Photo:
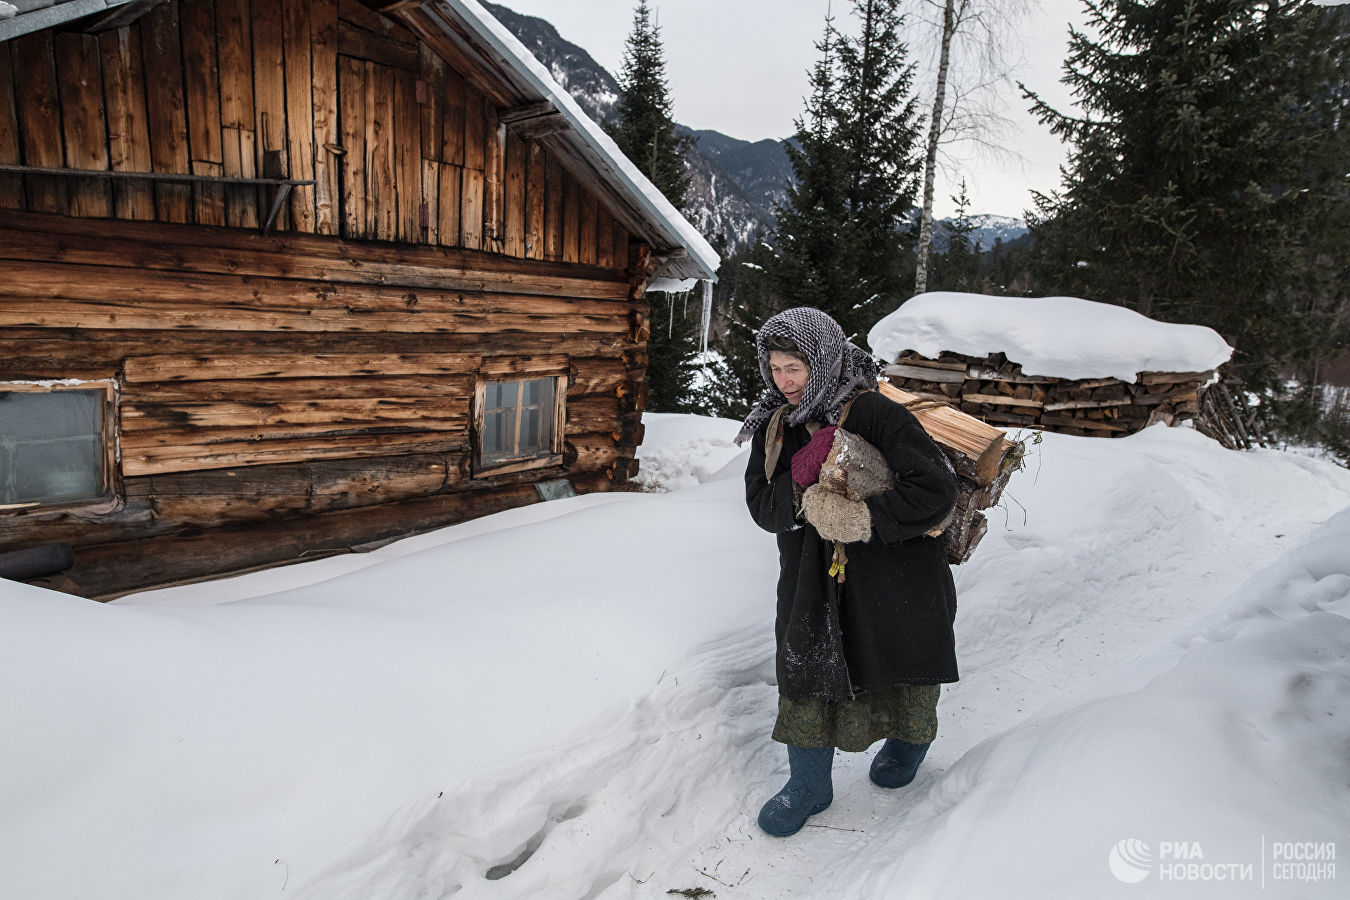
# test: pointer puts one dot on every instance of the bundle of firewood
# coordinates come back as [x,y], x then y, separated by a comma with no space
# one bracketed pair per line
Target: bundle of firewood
[995,389]
[984,460]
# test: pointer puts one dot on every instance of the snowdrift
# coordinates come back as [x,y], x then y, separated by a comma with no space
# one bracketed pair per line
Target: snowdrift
[573,700]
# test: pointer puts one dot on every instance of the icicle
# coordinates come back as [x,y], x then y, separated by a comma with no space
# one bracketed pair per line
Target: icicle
[670,326]
[707,314]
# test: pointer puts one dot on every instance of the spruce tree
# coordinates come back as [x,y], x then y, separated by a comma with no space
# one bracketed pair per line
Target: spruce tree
[645,132]
[957,268]
[1202,167]
[842,240]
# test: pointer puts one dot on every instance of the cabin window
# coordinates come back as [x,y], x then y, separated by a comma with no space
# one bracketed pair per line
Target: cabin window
[520,423]
[55,445]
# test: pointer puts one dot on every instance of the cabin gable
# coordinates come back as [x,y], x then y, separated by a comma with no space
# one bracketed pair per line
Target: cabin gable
[334,281]
[310,116]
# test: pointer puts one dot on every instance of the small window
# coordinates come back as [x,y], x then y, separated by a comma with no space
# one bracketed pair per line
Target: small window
[519,422]
[54,445]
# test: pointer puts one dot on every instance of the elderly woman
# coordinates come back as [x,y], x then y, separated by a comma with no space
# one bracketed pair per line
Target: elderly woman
[865,613]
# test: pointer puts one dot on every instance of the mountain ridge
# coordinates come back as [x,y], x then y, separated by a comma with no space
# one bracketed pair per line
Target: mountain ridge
[734,184]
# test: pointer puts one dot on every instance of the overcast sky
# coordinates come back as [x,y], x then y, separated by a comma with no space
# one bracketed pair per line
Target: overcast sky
[740,67]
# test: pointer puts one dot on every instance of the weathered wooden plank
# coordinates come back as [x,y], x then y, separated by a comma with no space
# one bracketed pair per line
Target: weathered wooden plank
[589,253]
[553,210]
[447,232]
[234,47]
[407,156]
[39,114]
[475,128]
[241,203]
[571,218]
[999,400]
[620,247]
[166,109]
[11,186]
[430,215]
[1175,377]
[604,238]
[537,363]
[99,353]
[361,44]
[25,236]
[160,315]
[42,281]
[254,366]
[431,99]
[372,387]
[513,198]
[352,93]
[297,52]
[80,85]
[269,99]
[327,137]
[202,91]
[925,373]
[202,81]
[149,461]
[452,122]
[471,210]
[536,183]
[436,414]
[381,188]
[494,180]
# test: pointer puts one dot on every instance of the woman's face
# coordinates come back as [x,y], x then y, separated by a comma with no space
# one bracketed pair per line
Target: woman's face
[789,375]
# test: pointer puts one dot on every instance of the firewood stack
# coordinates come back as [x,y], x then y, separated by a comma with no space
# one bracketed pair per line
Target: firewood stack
[994,389]
[984,460]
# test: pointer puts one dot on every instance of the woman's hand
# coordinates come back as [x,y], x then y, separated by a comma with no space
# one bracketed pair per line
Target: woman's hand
[807,461]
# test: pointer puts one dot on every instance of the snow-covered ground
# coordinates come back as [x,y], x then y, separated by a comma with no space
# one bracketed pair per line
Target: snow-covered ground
[573,700]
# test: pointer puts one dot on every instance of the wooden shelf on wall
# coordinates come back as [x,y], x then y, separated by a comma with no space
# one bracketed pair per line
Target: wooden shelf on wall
[282,186]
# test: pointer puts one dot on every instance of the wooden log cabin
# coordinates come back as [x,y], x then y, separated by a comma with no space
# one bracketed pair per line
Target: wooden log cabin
[286,278]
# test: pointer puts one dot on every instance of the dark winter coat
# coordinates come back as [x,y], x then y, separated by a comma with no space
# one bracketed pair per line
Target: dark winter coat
[890,622]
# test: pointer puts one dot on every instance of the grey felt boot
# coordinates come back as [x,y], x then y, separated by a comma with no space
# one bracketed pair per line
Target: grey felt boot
[897,762]
[809,790]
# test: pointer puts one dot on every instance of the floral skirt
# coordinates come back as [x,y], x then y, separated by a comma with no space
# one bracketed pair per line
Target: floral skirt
[905,711]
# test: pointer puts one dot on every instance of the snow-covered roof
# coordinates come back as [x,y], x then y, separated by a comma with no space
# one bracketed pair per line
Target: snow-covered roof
[681,251]
[18,17]
[1059,337]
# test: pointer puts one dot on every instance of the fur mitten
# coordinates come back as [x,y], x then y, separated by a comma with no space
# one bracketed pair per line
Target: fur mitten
[855,468]
[838,517]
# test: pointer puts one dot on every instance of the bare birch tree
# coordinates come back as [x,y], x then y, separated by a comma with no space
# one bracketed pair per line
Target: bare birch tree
[979,35]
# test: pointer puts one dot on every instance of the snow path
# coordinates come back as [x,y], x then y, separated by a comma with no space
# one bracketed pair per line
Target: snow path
[573,700]
[1124,541]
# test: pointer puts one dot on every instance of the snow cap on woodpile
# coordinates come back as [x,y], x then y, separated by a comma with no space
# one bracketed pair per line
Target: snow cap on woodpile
[1057,337]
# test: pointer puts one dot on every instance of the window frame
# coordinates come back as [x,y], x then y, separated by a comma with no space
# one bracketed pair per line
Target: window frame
[552,456]
[110,474]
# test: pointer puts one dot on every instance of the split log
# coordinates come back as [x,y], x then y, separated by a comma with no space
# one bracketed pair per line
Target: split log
[979,451]
[984,460]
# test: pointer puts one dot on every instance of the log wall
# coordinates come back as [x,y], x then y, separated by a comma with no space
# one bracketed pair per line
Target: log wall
[297,395]
[400,145]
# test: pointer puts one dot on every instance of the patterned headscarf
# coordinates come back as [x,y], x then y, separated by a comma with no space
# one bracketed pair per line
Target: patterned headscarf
[838,369]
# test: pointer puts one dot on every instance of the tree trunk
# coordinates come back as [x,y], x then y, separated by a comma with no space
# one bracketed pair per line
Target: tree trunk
[930,161]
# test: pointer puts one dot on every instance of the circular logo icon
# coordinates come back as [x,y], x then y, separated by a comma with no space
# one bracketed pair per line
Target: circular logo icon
[1130,860]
